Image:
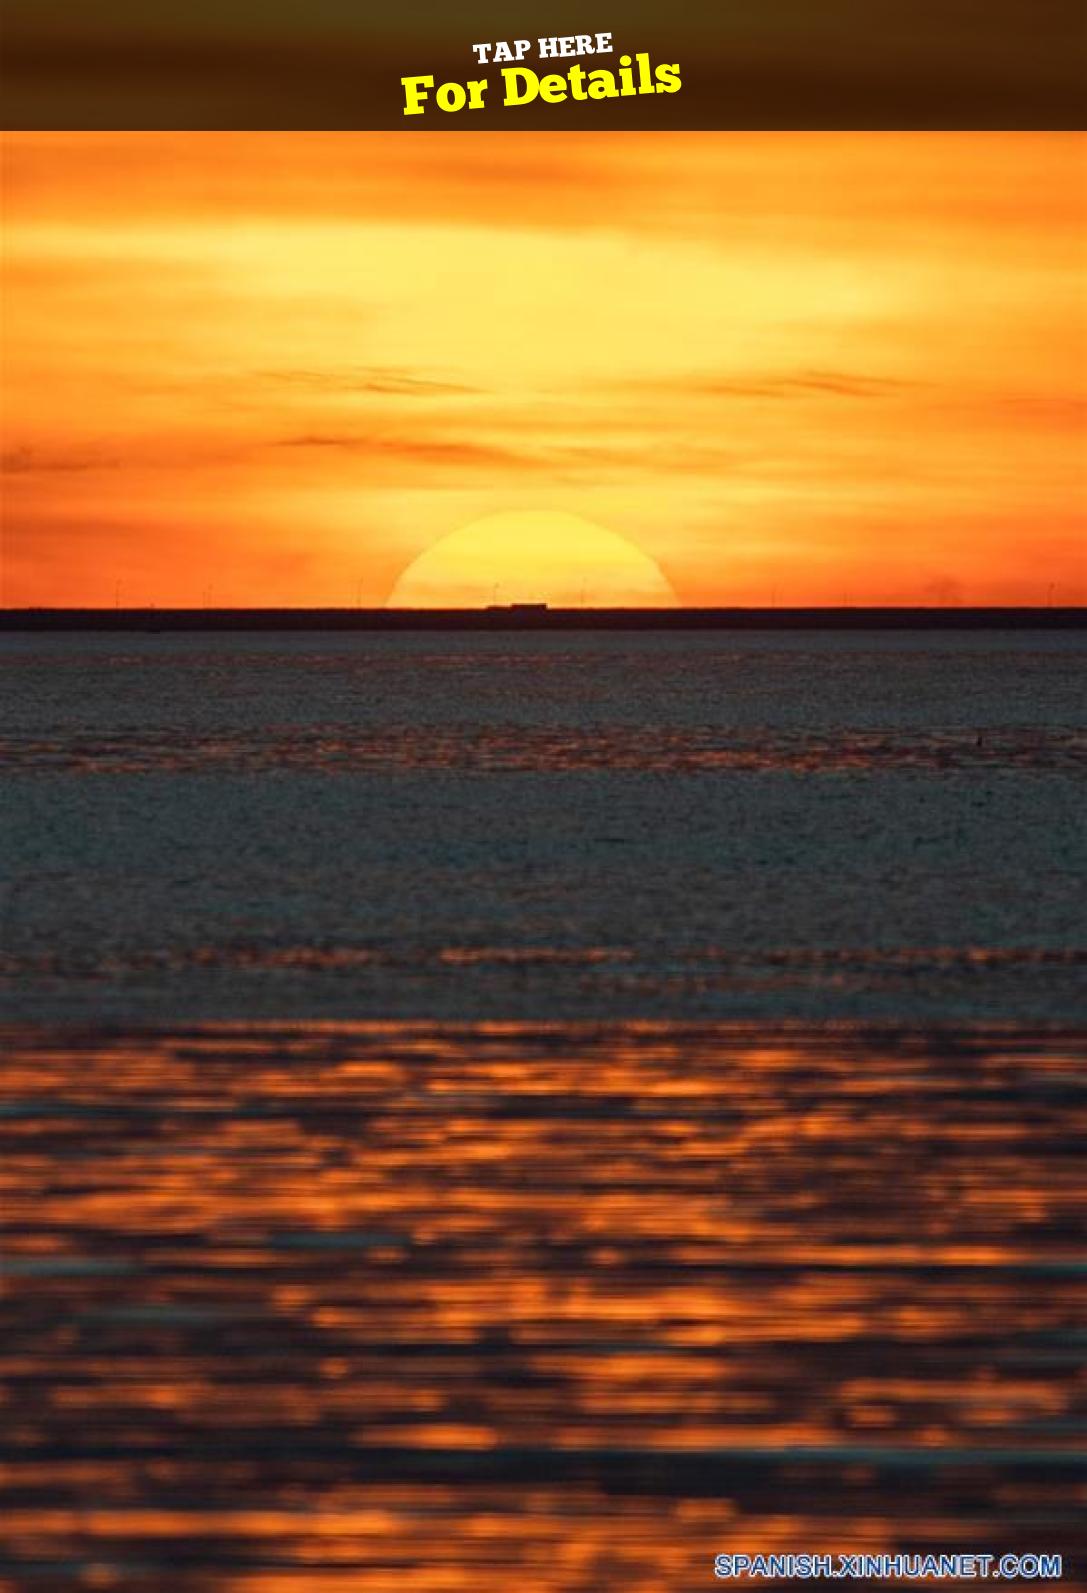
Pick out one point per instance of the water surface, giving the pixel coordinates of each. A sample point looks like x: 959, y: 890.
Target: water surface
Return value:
x: 567, y: 1307
x: 600, y: 825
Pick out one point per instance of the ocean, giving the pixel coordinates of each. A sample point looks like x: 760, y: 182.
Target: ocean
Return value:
x: 823, y: 826
x: 488, y: 1111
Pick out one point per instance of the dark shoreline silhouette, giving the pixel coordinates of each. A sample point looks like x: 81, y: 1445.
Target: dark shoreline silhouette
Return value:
x: 532, y: 618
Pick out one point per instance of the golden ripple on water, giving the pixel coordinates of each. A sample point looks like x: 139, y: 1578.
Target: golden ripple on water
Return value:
x: 565, y: 1307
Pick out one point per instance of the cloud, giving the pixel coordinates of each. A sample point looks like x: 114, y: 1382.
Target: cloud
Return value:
x: 615, y: 456
x: 24, y: 460
x: 424, y: 450
x: 384, y: 380
x: 845, y: 384
x: 776, y: 385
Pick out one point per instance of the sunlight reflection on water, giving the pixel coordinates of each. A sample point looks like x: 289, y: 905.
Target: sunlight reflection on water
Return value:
x: 566, y: 1307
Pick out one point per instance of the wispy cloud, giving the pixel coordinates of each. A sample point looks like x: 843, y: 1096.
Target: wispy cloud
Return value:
x: 24, y: 460
x: 384, y: 380
x: 415, y: 449
x: 774, y: 385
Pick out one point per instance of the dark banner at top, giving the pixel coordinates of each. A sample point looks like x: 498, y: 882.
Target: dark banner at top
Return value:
x: 426, y: 64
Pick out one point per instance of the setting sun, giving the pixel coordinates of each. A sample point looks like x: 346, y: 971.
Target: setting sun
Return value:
x: 532, y: 556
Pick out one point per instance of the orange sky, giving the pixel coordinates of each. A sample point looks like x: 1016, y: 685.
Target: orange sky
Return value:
x: 275, y: 368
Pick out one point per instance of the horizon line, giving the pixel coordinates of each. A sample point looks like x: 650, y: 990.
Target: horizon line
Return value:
x: 521, y: 607
x: 541, y: 617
